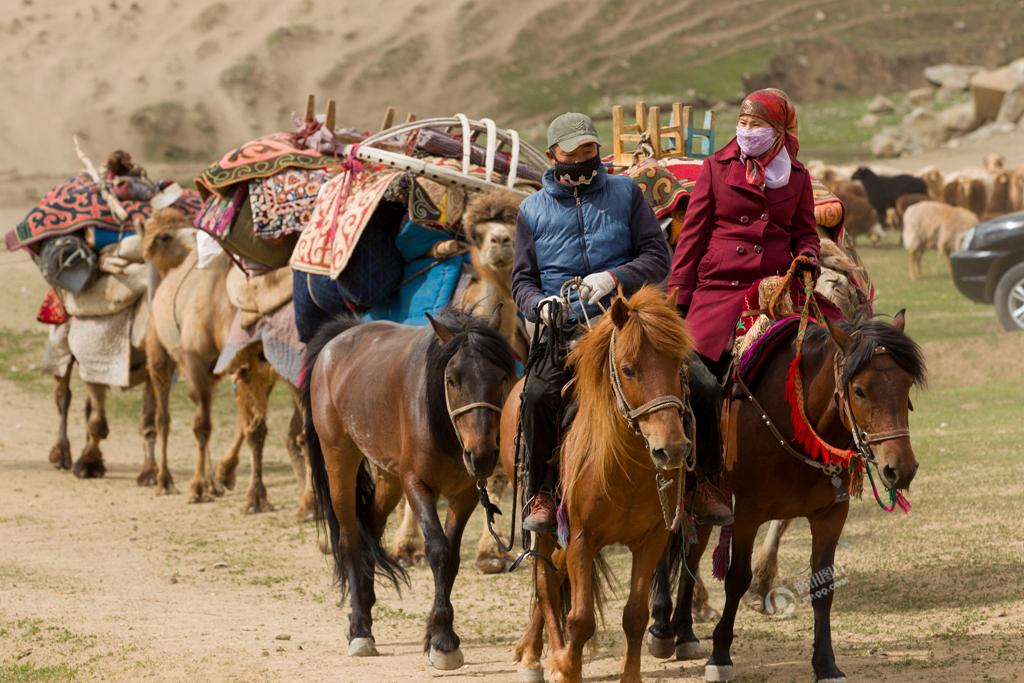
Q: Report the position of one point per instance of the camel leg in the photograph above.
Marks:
(766, 565)
(257, 387)
(407, 547)
(636, 612)
(489, 558)
(200, 385)
(90, 463)
(296, 447)
(160, 367)
(147, 477)
(60, 454)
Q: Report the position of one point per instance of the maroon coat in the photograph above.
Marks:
(735, 234)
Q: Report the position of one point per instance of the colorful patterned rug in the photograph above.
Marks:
(260, 158)
(75, 205)
(283, 203)
(781, 332)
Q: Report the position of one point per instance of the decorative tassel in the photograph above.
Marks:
(720, 558)
(563, 526)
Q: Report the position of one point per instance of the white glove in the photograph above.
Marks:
(545, 311)
(597, 286)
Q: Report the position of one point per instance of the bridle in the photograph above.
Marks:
(632, 417)
(455, 413)
(862, 440)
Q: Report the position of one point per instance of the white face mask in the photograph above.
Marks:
(754, 142)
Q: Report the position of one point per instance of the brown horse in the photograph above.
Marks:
(421, 405)
(621, 474)
(857, 381)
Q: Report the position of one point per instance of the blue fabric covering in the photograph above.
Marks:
(431, 291)
(101, 237)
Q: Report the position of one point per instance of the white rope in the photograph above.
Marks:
(492, 148)
(467, 142)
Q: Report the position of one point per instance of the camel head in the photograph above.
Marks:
(167, 238)
(490, 220)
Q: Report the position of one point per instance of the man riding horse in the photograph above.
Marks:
(586, 224)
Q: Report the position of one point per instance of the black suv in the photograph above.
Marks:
(990, 267)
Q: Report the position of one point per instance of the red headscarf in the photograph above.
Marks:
(772, 106)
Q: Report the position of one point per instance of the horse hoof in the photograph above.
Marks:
(531, 674)
(691, 649)
(491, 565)
(715, 673)
(446, 661)
(362, 647)
(659, 648)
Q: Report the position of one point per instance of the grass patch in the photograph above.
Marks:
(30, 673)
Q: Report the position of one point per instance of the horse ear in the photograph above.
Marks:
(839, 335)
(619, 311)
(442, 332)
(495, 321)
(673, 292)
(899, 321)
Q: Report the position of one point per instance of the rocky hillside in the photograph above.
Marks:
(182, 80)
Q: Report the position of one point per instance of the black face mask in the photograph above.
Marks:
(581, 173)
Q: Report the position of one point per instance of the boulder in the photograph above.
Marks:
(881, 105)
(1012, 108)
(923, 129)
(888, 143)
(960, 118)
(955, 76)
(920, 95)
(867, 121)
(990, 129)
(988, 88)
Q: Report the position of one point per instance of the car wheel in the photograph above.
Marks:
(1009, 299)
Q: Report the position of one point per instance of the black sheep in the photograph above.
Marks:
(884, 190)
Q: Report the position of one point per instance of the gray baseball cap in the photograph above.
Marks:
(570, 130)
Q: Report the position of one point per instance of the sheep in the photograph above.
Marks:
(904, 203)
(967, 191)
(994, 162)
(932, 177)
(931, 224)
(883, 191)
(999, 199)
(1017, 189)
(859, 216)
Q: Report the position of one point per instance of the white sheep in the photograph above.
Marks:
(930, 224)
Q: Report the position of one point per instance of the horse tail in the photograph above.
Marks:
(385, 565)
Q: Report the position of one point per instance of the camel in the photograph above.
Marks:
(489, 221)
(189, 324)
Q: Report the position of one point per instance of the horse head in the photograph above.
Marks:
(478, 368)
(640, 347)
(876, 366)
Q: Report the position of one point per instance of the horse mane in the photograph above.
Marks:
(599, 437)
(478, 338)
(867, 335)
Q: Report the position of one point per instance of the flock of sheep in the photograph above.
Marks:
(933, 210)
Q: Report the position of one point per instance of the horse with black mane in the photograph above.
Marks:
(421, 405)
(844, 383)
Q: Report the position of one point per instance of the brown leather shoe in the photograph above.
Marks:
(541, 518)
(709, 506)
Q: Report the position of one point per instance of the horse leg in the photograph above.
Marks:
(636, 612)
(766, 565)
(489, 558)
(160, 367)
(719, 666)
(568, 662)
(440, 642)
(660, 638)
(147, 477)
(295, 445)
(261, 383)
(201, 392)
(687, 644)
(60, 454)
(90, 463)
(826, 528)
(407, 547)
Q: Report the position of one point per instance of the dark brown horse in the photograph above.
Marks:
(857, 378)
(626, 442)
(420, 406)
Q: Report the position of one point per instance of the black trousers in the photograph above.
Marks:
(541, 413)
(705, 386)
